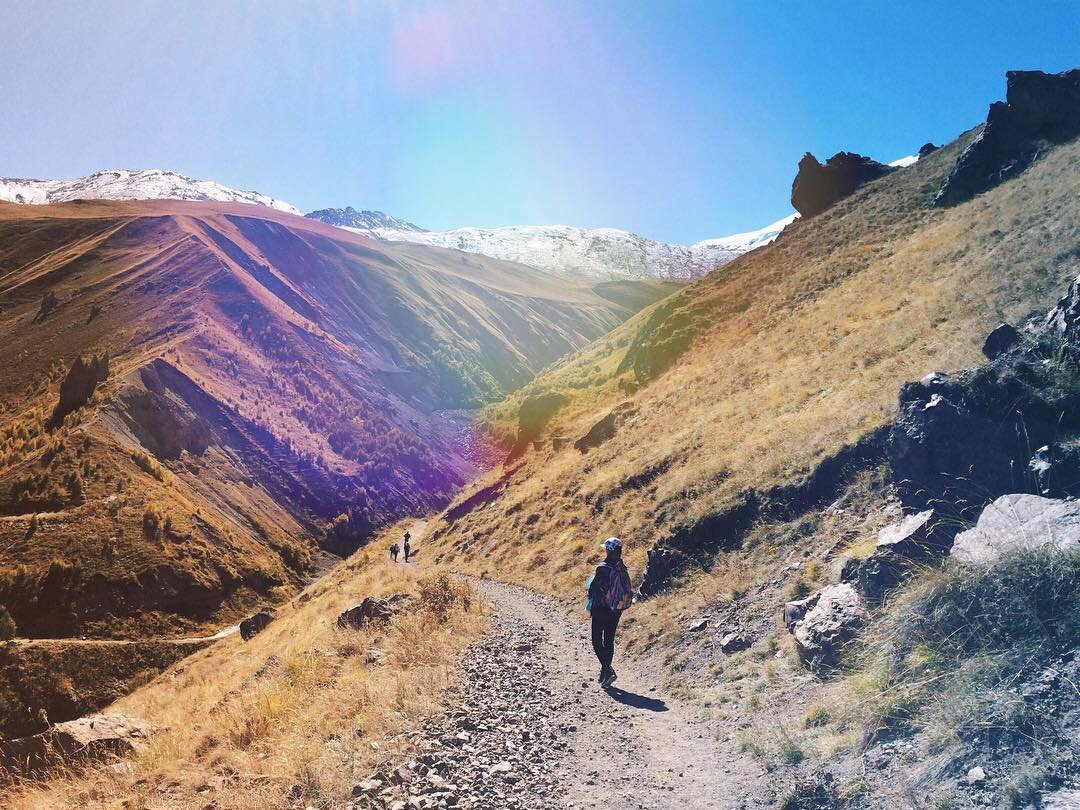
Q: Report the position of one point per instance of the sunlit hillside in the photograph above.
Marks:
(746, 380)
(197, 399)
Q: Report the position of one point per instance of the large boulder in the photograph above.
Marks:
(1004, 337)
(90, 738)
(370, 610)
(835, 618)
(817, 186)
(1019, 523)
(253, 625)
(1039, 108)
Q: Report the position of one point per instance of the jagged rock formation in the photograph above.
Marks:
(900, 549)
(927, 148)
(370, 610)
(1038, 108)
(817, 186)
(78, 386)
(606, 427)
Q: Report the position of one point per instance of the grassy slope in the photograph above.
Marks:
(794, 350)
(302, 703)
(312, 361)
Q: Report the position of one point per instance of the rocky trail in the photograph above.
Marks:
(529, 727)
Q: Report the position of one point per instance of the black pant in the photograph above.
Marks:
(604, 623)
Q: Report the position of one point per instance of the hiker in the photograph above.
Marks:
(610, 593)
(394, 551)
(406, 548)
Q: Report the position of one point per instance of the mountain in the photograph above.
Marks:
(365, 221)
(197, 399)
(594, 253)
(124, 184)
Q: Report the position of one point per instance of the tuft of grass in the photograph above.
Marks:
(945, 656)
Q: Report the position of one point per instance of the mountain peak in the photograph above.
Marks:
(131, 184)
(349, 217)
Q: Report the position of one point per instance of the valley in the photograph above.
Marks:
(842, 453)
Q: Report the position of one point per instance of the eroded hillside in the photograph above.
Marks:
(197, 398)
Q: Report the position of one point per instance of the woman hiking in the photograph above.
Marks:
(610, 593)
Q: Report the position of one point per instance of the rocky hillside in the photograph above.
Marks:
(738, 435)
(125, 184)
(197, 398)
(604, 253)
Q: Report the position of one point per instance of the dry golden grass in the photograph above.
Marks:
(303, 707)
(797, 349)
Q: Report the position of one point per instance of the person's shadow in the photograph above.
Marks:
(636, 701)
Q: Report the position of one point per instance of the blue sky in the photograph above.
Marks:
(677, 120)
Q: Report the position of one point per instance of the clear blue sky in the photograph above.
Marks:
(677, 120)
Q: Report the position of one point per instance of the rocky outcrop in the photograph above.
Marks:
(694, 545)
(606, 428)
(837, 615)
(927, 148)
(79, 385)
(817, 187)
(1019, 522)
(253, 625)
(961, 440)
(370, 610)
(1039, 108)
(91, 738)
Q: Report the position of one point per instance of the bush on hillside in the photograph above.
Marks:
(440, 595)
(949, 651)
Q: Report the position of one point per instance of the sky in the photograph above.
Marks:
(677, 120)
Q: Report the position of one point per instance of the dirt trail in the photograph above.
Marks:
(529, 727)
(634, 746)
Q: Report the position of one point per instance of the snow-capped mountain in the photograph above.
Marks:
(124, 184)
(595, 252)
(362, 220)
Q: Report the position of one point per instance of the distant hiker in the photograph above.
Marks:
(407, 536)
(394, 549)
(610, 593)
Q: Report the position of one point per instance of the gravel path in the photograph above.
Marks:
(530, 728)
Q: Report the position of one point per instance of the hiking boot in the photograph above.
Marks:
(609, 680)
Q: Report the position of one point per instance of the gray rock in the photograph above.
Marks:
(1017, 523)
(794, 611)
(834, 620)
(698, 625)
(976, 775)
(94, 737)
(1063, 799)
(734, 642)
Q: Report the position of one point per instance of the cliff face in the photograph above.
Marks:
(1039, 109)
